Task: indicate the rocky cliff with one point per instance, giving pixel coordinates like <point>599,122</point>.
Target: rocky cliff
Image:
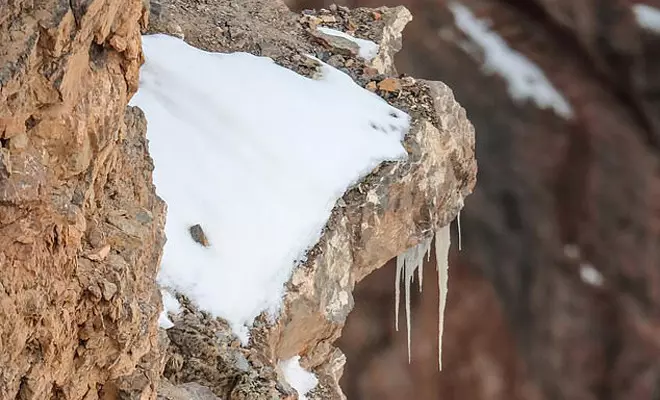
<point>81,228</point>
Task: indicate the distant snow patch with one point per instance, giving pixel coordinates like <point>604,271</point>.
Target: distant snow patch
<point>296,376</point>
<point>591,275</point>
<point>257,156</point>
<point>572,251</point>
<point>526,81</point>
<point>648,17</point>
<point>368,49</point>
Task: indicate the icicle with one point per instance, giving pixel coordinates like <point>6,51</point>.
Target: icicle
<point>420,274</point>
<point>413,259</point>
<point>409,272</point>
<point>397,290</point>
<point>460,234</point>
<point>442,243</point>
<point>424,247</point>
<point>406,264</point>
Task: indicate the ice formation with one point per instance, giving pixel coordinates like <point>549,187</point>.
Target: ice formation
<point>413,260</point>
<point>407,263</point>
<point>442,243</point>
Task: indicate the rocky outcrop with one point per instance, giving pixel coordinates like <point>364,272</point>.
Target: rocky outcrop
<point>81,229</point>
<point>80,226</point>
<point>393,209</point>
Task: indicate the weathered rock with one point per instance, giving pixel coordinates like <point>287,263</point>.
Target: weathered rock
<point>186,391</point>
<point>391,210</point>
<point>78,303</point>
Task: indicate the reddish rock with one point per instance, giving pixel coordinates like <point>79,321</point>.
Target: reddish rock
<point>81,228</point>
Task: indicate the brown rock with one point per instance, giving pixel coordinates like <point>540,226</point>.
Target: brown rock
<point>338,44</point>
<point>69,157</point>
<point>389,85</point>
<point>198,235</point>
<point>5,163</point>
<point>328,19</point>
<point>99,254</point>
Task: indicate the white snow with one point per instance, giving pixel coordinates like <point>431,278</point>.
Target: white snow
<point>413,260</point>
<point>648,17</point>
<point>525,80</point>
<point>296,376</point>
<point>170,305</point>
<point>257,155</point>
<point>591,275</point>
<point>368,50</point>
<point>164,321</point>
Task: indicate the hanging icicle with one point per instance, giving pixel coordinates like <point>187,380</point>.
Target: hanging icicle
<point>406,264</point>
<point>442,243</point>
<point>460,233</point>
<point>413,260</point>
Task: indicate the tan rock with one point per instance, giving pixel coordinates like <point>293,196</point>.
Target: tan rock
<point>99,254</point>
<point>389,85</point>
<point>72,158</point>
<point>338,44</point>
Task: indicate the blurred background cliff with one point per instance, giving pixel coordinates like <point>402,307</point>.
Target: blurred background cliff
<point>556,293</point>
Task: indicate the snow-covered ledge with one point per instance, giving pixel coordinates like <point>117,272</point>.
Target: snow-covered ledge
<point>398,206</point>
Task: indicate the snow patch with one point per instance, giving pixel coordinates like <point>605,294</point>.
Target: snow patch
<point>413,260</point>
<point>525,80</point>
<point>368,50</point>
<point>164,321</point>
<point>296,376</point>
<point>170,305</point>
<point>591,275</point>
<point>647,17</point>
<point>257,156</point>
<point>572,251</point>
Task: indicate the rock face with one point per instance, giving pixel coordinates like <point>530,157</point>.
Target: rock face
<point>555,198</point>
<point>81,229</point>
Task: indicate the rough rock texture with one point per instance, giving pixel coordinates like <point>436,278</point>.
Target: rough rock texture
<point>554,196</point>
<point>81,229</point>
<point>389,211</point>
<point>80,225</point>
